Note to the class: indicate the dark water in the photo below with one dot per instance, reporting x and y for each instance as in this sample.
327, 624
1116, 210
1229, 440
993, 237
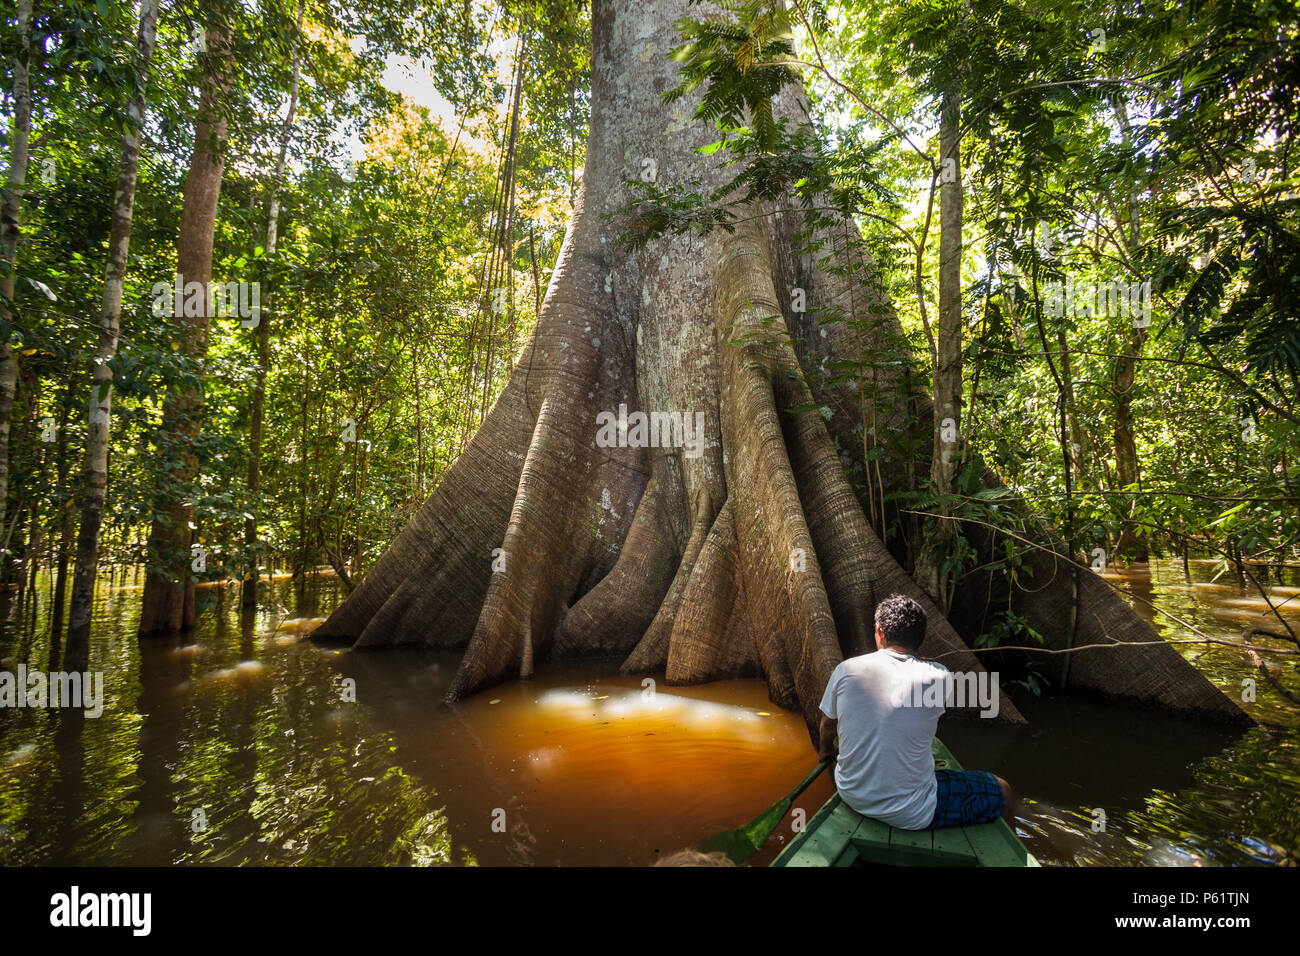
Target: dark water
248, 744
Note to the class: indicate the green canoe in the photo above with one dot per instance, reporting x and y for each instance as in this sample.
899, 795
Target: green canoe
838, 836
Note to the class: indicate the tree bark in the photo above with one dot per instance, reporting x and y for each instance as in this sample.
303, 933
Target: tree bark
101, 385
1132, 543
63, 519
10, 232
167, 606
248, 595
940, 531
753, 556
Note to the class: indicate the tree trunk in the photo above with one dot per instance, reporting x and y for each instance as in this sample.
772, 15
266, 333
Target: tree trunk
1132, 543
419, 424
249, 588
63, 519
27, 397
752, 556
101, 385
167, 606
10, 218
940, 529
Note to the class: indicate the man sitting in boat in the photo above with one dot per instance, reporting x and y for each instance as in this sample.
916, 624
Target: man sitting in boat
878, 706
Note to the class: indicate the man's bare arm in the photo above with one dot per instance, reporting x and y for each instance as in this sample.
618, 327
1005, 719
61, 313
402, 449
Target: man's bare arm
826, 749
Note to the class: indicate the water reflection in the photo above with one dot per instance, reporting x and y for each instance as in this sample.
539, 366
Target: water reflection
245, 743
217, 750
584, 768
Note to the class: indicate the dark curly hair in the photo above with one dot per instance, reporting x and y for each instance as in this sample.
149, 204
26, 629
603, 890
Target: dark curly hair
901, 620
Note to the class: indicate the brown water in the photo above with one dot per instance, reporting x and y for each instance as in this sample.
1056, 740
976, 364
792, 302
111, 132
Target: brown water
248, 744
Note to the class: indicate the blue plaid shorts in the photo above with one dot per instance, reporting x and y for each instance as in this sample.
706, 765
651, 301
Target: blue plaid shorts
966, 796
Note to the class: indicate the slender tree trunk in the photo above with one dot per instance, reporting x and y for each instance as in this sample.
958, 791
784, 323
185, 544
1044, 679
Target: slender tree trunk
63, 523
948, 439
1070, 407
27, 396
10, 232
419, 424
101, 382
167, 606
1132, 543
249, 587
32, 562
300, 559
67, 535
12, 542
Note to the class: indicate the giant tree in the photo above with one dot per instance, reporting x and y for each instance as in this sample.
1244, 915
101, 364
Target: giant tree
747, 551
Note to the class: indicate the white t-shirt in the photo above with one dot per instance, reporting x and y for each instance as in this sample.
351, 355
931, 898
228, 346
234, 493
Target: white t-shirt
887, 705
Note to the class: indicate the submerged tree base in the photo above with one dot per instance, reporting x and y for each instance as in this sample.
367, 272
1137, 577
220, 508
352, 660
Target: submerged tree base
750, 553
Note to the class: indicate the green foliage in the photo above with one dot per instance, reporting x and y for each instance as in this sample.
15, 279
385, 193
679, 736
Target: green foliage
1009, 629
742, 57
373, 298
1101, 143
1153, 141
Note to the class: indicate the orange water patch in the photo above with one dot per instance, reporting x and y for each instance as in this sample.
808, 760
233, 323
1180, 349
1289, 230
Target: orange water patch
589, 759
